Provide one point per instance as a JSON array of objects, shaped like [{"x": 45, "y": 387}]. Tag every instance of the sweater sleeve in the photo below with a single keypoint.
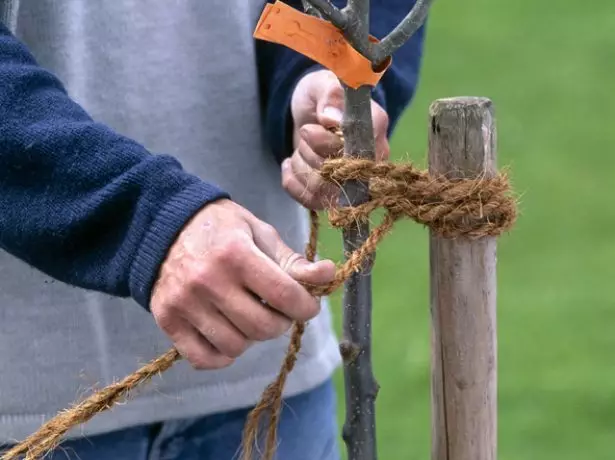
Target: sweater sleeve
[
  {"x": 280, "y": 68},
  {"x": 78, "y": 201}
]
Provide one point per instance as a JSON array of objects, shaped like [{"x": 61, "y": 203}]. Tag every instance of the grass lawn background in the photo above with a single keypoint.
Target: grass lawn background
[{"x": 549, "y": 68}]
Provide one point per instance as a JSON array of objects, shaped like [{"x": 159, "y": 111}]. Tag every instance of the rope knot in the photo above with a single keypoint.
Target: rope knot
[{"x": 472, "y": 208}]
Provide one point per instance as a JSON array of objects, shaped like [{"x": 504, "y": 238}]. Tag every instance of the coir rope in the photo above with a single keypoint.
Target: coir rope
[{"x": 471, "y": 208}]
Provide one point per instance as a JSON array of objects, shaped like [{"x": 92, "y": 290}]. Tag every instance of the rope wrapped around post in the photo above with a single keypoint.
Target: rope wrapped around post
[{"x": 471, "y": 208}]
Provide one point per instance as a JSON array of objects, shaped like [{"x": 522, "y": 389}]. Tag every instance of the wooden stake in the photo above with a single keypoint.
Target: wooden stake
[{"x": 462, "y": 139}]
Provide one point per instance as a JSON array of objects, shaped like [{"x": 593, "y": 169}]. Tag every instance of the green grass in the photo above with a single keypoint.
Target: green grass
[{"x": 549, "y": 68}]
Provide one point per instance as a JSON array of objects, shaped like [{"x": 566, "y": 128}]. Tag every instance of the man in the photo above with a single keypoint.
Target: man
[{"x": 164, "y": 189}]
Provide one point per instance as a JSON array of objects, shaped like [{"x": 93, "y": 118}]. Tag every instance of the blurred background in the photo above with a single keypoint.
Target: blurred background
[{"x": 549, "y": 68}]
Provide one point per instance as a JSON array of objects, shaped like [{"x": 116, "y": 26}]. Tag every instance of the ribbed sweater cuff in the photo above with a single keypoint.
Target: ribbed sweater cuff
[{"x": 162, "y": 233}]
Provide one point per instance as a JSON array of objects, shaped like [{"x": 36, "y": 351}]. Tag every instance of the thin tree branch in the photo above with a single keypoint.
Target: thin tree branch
[
  {"x": 402, "y": 33},
  {"x": 327, "y": 11},
  {"x": 361, "y": 388},
  {"x": 356, "y": 32},
  {"x": 348, "y": 21}
]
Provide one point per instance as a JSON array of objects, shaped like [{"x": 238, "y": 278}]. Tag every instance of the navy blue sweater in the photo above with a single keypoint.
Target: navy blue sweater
[{"x": 83, "y": 203}]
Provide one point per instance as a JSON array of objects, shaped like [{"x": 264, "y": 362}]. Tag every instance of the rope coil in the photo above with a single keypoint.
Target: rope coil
[{"x": 470, "y": 208}]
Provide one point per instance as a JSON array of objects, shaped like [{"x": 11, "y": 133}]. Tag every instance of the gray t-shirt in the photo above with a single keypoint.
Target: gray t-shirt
[{"x": 179, "y": 78}]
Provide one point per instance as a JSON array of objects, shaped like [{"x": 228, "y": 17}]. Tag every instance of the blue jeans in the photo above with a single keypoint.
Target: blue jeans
[{"x": 307, "y": 431}]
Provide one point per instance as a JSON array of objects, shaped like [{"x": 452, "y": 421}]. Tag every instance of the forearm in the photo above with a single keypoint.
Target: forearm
[
  {"x": 280, "y": 68},
  {"x": 78, "y": 201}
]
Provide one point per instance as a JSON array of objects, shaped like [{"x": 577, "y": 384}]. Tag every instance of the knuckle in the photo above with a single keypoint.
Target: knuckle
[
  {"x": 207, "y": 360},
  {"x": 203, "y": 277},
  {"x": 229, "y": 253},
  {"x": 261, "y": 331},
  {"x": 297, "y": 162},
  {"x": 164, "y": 321},
  {"x": 283, "y": 326},
  {"x": 271, "y": 328},
  {"x": 316, "y": 202},
  {"x": 269, "y": 232},
  {"x": 306, "y": 198},
  {"x": 310, "y": 309},
  {"x": 197, "y": 358},
  {"x": 167, "y": 294},
  {"x": 335, "y": 89},
  {"x": 255, "y": 329},
  {"x": 235, "y": 347},
  {"x": 314, "y": 182},
  {"x": 304, "y": 144},
  {"x": 283, "y": 292},
  {"x": 303, "y": 198},
  {"x": 198, "y": 361},
  {"x": 287, "y": 180},
  {"x": 166, "y": 318}
]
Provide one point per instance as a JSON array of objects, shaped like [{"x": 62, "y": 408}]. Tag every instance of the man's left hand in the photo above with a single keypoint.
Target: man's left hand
[{"x": 317, "y": 105}]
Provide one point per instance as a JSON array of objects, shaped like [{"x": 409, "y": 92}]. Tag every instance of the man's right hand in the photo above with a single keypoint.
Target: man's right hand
[{"x": 207, "y": 298}]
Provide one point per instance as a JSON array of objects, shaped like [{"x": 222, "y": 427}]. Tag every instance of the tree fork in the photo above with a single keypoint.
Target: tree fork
[{"x": 361, "y": 388}]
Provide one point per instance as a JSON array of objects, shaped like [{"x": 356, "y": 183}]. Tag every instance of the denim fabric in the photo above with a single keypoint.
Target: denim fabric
[{"x": 308, "y": 430}]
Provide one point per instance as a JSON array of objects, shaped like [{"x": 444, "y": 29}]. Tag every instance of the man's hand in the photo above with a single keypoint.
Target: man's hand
[
  {"x": 316, "y": 106},
  {"x": 207, "y": 298}
]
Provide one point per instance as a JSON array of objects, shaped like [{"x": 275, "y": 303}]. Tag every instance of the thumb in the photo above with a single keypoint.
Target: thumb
[
  {"x": 294, "y": 264},
  {"x": 316, "y": 273},
  {"x": 330, "y": 104}
]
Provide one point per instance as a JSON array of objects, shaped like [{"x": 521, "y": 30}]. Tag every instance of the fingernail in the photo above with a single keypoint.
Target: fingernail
[
  {"x": 285, "y": 163},
  {"x": 333, "y": 113}
]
